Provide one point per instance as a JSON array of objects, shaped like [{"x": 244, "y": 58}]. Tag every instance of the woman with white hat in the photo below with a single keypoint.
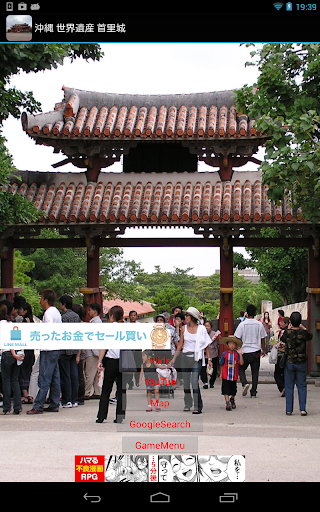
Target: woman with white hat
[{"x": 194, "y": 339}]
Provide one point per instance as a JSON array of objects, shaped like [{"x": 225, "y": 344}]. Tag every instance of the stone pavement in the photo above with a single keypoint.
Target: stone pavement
[{"x": 278, "y": 448}]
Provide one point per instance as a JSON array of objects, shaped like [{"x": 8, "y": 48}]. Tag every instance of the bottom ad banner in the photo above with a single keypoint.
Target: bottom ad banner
[{"x": 160, "y": 468}]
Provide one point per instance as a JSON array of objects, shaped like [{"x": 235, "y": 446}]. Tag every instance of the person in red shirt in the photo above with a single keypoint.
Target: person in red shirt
[{"x": 229, "y": 374}]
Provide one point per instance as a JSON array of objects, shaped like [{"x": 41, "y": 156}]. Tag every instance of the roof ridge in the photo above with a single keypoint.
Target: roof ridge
[{"x": 100, "y": 99}]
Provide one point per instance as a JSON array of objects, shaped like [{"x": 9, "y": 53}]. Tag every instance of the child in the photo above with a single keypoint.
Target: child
[
  {"x": 152, "y": 379},
  {"x": 230, "y": 361}
]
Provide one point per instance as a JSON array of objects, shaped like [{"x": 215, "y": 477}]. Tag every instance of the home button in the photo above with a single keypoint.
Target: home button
[{"x": 159, "y": 497}]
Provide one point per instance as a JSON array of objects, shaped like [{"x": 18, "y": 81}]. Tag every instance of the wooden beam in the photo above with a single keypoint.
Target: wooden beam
[
  {"x": 59, "y": 243},
  {"x": 204, "y": 242},
  {"x": 271, "y": 242},
  {"x": 33, "y": 243}
]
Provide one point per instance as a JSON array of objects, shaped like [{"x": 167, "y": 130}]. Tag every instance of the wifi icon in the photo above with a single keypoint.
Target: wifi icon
[{"x": 278, "y": 6}]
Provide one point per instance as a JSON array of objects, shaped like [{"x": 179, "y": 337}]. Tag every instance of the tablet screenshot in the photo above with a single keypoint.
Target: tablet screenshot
[{"x": 159, "y": 244}]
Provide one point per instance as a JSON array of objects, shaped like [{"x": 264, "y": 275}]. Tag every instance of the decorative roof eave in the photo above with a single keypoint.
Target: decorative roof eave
[
  {"x": 103, "y": 116},
  {"x": 118, "y": 201}
]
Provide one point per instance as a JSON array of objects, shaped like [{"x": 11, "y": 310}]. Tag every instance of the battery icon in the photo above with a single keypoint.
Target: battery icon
[{"x": 288, "y": 6}]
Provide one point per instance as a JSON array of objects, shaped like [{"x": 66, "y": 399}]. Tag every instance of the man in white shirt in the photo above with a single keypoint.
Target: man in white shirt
[
  {"x": 49, "y": 375},
  {"x": 253, "y": 334}
]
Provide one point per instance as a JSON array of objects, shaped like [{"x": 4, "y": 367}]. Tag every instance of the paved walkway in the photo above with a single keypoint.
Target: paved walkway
[{"x": 277, "y": 447}]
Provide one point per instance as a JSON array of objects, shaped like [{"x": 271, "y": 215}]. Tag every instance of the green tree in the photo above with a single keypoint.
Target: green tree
[
  {"x": 119, "y": 276},
  {"x": 169, "y": 296},
  {"x": 14, "y": 208},
  {"x": 210, "y": 310},
  {"x": 33, "y": 297},
  {"x": 254, "y": 294},
  {"x": 21, "y": 268},
  {"x": 205, "y": 292},
  {"x": 62, "y": 269},
  {"x": 34, "y": 58},
  {"x": 181, "y": 278},
  {"x": 285, "y": 100},
  {"x": 29, "y": 58},
  {"x": 65, "y": 270},
  {"x": 169, "y": 289},
  {"x": 244, "y": 293},
  {"x": 207, "y": 289},
  {"x": 283, "y": 269}
]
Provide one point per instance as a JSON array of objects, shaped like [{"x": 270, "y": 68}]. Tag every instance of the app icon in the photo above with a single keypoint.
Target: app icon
[{"x": 15, "y": 334}]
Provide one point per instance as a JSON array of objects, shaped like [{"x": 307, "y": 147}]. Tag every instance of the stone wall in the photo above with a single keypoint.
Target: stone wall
[{"x": 302, "y": 307}]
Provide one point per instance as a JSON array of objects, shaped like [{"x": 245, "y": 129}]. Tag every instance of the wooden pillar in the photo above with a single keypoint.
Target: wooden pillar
[
  {"x": 226, "y": 325},
  {"x": 93, "y": 265},
  {"x": 314, "y": 309},
  {"x": 93, "y": 291},
  {"x": 7, "y": 270}
]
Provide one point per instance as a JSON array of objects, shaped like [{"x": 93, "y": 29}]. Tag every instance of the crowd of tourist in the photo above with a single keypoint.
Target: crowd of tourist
[{"x": 50, "y": 379}]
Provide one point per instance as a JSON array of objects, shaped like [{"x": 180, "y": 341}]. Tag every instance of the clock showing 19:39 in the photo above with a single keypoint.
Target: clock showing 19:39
[{"x": 306, "y": 7}]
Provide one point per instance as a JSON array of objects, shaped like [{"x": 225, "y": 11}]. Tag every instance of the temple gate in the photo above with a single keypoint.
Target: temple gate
[{"x": 161, "y": 139}]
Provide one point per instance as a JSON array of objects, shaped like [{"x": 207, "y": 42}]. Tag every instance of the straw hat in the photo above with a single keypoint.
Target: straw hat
[{"x": 236, "y": 340}]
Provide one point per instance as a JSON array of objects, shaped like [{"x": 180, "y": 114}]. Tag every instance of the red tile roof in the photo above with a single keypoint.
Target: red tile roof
[
  {"x": 92, "y": 115},
  {"x": 151, "y": 199},
  {"x": 143, "y": 308}
]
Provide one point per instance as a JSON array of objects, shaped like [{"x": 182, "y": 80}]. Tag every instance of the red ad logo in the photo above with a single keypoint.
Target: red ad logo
[{"x": 89, "y": 468}]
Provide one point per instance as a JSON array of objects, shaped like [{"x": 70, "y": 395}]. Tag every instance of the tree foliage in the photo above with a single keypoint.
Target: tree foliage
[
  {"x": 285, "y": 100},
  {"x": 180, "y": 278},
  {"x": 169, "y": 289},
  {"x": 120, "y": 277},
  {"x": 13, "y": 207},
  {"x": 65, "y": 270},
  {"x": 21, "y": 268},
  {"x": 283, "y": 269},
  {"x": 28, "y": 58},
  {"x": 34, "y": 58}
]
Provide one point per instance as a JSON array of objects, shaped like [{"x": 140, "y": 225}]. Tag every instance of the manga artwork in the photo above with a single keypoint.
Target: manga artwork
[
  {"x": 202, "y": 468},
  {"x": 126, "y": 468},
  {"x": 175, "y": 468}
]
